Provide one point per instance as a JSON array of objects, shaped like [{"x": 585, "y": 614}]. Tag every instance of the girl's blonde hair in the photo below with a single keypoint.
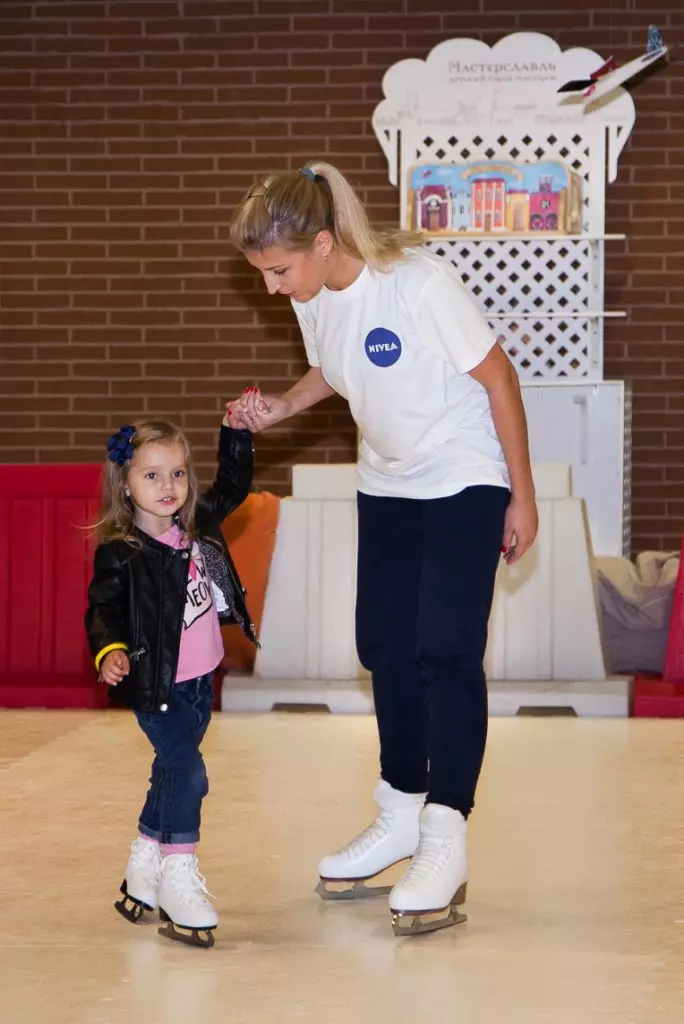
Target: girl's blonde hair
[
  {"x": 290, "y": 209},
  {"x": 117, "y": 512}
]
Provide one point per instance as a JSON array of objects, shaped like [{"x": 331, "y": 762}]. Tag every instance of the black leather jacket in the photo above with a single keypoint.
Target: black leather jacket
[{"x": 136, "y": 599}]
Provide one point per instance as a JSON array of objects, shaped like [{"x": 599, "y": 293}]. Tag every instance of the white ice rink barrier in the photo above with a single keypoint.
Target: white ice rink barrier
[{"x": 544, "y": 645}]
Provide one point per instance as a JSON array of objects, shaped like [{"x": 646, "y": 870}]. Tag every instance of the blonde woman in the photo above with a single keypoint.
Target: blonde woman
[
  {"x": 163, "y": 581},
  {"x": 444, "y": 481}
]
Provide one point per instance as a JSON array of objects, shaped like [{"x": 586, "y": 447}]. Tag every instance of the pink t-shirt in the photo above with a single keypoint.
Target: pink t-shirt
[{"x": 201, "y": 646}]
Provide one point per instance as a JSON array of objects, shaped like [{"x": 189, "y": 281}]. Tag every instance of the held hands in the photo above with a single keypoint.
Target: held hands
[
  {"x": 114, "y": 667},
  {"x": 255, "y": 411},
  {"x": 520, "y": 528}
]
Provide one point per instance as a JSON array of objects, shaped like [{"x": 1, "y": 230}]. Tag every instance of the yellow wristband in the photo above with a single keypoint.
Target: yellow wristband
[{"x": 105, "y": 651}]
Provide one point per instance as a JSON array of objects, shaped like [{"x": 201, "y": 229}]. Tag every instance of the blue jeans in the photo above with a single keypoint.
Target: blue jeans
[
  {"x": 179, "y": 778},
  {"x": 426, "y": 573}
]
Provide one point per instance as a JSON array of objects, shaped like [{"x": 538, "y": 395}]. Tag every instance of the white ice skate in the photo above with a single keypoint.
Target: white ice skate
[
  {"x": 434, "y": 884},
  {"x": 183, "y": 906},
  {"x": 391, "y": 838},
  {"x": 140, "y": 886}
]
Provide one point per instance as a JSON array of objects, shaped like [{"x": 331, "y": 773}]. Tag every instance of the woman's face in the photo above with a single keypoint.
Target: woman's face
[{"x": 299, "y": 275}]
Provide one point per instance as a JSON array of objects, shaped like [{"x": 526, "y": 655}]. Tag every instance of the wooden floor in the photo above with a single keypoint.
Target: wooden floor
[{"x": 576, "y": 897}]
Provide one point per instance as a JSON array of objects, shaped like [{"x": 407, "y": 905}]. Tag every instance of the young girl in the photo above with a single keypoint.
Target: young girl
[
  {"x": 163, "y": 581},
  {"x": 443, "y": 478}
]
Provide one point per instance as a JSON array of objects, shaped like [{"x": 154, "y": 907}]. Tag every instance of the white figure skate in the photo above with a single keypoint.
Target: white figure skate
[
  {"x": 391, "y": 838},
  {"x": 434, "y": 885},
  {"x": 140, "y": 886},
  {"x": 187, "y": 914}
]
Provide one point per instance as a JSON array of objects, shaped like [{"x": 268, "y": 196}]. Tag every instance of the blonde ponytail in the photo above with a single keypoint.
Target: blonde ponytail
[{"x": 290, "y": 209}]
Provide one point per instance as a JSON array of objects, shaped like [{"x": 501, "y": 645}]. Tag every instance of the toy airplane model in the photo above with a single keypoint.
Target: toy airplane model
[{"x": 609, "y": 76}]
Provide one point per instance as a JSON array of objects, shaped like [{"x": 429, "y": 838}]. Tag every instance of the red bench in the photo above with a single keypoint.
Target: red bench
[
  {"x": 663, "y": 696},
  {"x": 45, "y": 567}
]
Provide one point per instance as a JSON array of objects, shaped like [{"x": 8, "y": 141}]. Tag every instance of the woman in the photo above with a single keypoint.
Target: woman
[{"x": 444, "y": 480}]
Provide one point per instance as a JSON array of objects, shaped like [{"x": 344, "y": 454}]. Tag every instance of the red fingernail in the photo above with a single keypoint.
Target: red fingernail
[
  {"x": 504, "y": 551},
  {"x": 246, "y": 391}
]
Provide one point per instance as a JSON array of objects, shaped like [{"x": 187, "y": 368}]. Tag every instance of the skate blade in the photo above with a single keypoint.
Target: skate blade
[
  {"x": 356, "y": 888},
  {"x": 420, "y": 922},
  {"x": 130, "y": 908},
  {"x": 201, "y": 937},
  {"x": 358, "y": 891}
]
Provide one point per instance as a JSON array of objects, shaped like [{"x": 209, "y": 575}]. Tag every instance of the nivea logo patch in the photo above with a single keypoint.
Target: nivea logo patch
[{"x": 383, "y": 347}]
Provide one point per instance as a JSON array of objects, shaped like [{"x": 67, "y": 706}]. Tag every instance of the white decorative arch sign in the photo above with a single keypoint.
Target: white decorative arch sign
[{"x": 464, "y": 83}]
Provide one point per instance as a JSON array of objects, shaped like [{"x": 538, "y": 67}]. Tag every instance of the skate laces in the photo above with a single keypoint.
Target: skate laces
[
  {"x": 432, "y": 854},
  {"x": 187, "y": 882},
  {"x": 146, "y": 858},
  {"x": 376, "y": 831}
]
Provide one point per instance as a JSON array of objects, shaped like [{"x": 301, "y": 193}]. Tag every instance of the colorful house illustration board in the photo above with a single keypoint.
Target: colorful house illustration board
[
  {"x": 460, "y": 210},
  {"x": 497, "y": 197},
  {"x": 435, "y": 202},
  {"x": 517, "y": 210},
  {"x": 488, "y": 203}
]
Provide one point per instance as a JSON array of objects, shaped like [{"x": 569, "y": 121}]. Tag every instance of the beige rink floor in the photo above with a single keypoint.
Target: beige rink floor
[{"x": 576, "y": 896}]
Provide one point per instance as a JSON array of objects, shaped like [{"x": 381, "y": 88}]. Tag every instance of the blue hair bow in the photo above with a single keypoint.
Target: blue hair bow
[
  {"x": 119, "y": 447},
  {"x": 308, "y": 173}
]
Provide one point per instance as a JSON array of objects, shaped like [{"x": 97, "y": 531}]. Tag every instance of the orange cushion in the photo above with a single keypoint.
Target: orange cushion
[{"x": 250, "y": 533}]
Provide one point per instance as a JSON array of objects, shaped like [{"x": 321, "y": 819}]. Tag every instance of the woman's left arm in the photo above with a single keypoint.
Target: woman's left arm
[{"x": 498, "y": 377}]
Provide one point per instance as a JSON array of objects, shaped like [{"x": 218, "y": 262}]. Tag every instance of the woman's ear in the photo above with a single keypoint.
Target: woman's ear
[{"x": 323, "y": 243}]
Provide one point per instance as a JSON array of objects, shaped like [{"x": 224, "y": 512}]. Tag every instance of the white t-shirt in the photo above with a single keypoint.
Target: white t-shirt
[{"x": 399, "y": 345}]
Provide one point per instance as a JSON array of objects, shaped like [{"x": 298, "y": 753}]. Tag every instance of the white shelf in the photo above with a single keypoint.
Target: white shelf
[
  {"x": 532, "y": 236},
  {"x": 566, "y": 314}
]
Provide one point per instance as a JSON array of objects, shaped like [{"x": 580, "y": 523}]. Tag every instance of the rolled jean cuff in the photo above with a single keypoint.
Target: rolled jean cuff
[{"x": 168, "y": 838}]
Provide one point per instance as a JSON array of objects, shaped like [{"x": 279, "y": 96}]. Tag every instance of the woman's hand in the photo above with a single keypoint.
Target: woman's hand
[
  {"x": 254, "y": 411},
  {"x": 114, "y": 667},
  {"x": 233, "y": 417},
  {"x": 520, "y": 528}
]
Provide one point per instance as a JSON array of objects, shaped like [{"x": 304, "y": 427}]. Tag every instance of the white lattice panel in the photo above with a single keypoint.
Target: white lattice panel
[
  {"x": 529, "y": 276},
  {"x": 558, "y": 276},
  {"x": 550, "y": 349}
]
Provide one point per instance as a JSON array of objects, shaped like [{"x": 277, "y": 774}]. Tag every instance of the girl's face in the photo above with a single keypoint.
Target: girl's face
[
  {"x": 158, "y": 484},
  {"x": 299, "y": 275}
]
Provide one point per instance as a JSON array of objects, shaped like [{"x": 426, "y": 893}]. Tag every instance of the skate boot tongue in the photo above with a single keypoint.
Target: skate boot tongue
[
  {"x": 146, "y": 857},
  {"x": 386, "y": 797},
  {"x": 439, "y": 821}
]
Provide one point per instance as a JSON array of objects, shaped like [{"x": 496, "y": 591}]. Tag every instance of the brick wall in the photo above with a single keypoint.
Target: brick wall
[{"x": 129, "y": 129}]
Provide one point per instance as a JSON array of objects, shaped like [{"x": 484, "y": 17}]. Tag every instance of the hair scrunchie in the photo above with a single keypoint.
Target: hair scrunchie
[{"x": 119, "y": 447}]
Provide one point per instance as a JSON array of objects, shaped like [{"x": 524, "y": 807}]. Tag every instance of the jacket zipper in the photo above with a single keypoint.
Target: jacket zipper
[{"x": 159, "y": 629}]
